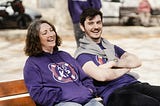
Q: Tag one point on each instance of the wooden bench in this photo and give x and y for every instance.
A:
(14, 93)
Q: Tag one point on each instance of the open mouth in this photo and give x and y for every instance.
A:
(50, 40)
(95, 31)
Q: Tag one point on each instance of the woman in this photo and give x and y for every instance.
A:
(53, 77)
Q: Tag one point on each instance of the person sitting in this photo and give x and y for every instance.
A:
(110, 66)
(53, 77)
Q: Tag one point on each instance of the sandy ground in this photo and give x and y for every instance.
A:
(141, 41)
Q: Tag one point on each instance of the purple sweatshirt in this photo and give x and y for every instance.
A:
(76, 7)
(55, 78)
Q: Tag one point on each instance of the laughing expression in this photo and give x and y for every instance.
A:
(47, 37)
(93, 28)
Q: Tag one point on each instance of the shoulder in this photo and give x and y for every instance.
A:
(117, 47)
(34, 59)
(31, 63)
(119, 51)
(63, 53)
(31, 58)
(85, 55)
(83, 58)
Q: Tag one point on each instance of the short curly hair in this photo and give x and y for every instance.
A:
(89, 13)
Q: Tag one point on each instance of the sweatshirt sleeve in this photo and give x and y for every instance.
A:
(83, 78)
(45, 96)
(86, 80)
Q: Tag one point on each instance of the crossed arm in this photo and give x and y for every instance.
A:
(106, 72)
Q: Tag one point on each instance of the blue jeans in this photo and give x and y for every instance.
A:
(92, 102)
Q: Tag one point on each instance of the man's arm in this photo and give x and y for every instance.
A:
(128, 60)
(112, 70)
(104, 72)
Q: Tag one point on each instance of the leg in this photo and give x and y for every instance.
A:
(68, 104)
(147, 89)
(93, 102)
(124, 97)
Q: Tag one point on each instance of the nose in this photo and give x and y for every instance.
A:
(50, 33)
(96, 25)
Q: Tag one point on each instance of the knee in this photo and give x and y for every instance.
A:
(152, 102)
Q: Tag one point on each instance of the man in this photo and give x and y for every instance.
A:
(75, 8)
(110, 66)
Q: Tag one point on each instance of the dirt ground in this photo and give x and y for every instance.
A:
(144, 42)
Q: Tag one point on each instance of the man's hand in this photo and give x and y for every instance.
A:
(109, 65)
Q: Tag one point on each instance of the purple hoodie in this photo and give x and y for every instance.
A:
(55, 78)
(77, 6)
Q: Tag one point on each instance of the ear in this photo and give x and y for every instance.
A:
(82, 27)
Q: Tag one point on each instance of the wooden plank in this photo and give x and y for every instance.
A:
(22, 101)
(15, 89)
(12, 88)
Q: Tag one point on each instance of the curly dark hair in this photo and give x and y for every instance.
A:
(33, 45)
(89, 13)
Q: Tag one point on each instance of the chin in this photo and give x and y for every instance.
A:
(96, 37)
(52, 45)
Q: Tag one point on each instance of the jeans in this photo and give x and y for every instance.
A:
(136, 94)
(92, 102)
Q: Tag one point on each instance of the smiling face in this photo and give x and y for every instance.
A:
(47, 37)
(93, 28)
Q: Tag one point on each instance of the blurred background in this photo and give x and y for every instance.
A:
(115, 12)
(122, 26)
